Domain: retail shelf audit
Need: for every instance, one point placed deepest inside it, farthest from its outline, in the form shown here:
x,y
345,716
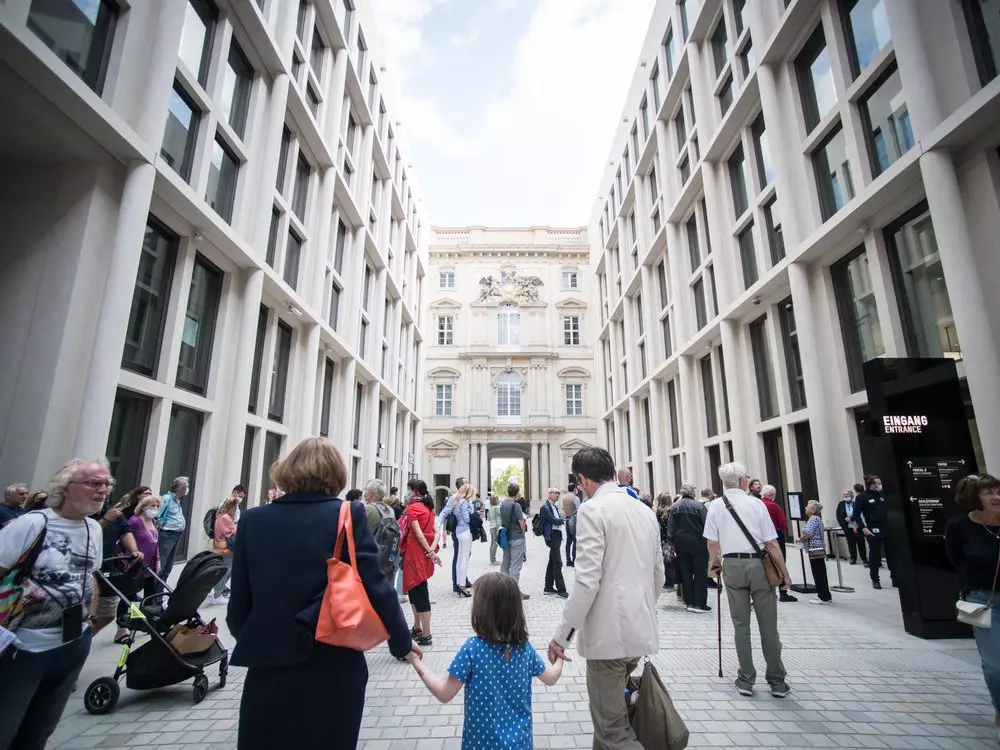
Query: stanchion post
x,y
805,587
840,587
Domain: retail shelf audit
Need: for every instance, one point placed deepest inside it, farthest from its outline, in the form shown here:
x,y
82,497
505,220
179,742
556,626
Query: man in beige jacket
x,y
619,575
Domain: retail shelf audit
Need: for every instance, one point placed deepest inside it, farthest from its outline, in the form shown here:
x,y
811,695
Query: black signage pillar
x,y
921,448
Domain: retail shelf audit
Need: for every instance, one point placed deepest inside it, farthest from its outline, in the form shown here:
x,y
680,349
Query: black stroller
x,y
155,663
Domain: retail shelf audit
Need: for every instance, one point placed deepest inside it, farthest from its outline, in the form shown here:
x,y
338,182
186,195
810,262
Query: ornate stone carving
x,y
496,372
509,287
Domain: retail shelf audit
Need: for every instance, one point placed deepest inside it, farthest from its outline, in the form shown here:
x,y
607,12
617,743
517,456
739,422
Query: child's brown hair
x,y
497,611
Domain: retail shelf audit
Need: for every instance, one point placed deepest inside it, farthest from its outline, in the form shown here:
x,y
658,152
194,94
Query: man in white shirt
x,y
732,554
619,575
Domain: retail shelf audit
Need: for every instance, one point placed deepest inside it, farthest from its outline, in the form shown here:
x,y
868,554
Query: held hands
x,y
557,652
112,514
415,655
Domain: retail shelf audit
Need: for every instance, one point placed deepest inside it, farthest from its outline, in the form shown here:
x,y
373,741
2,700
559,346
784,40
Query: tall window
x,y
324,415
571,330
359,395
180,133
708,393
508,325
200,18
887,121
720,47
793,357
236,84
286,147
661,281
279,372
670,53
775,237
767,399
694,251
144,334
442,400
301,194
80,34
258,359
868,31
446,330
446,280
983,21
748,256
574,399
338,256
293,256
222,175
675,432
509,395
815,79
644,117
738,181
127,437
199,326
700,311
833,174
335,292
765,172
859,321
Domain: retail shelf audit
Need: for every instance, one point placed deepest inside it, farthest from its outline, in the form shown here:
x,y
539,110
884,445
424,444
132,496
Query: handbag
x,y
653,716
817,553
770,567
975,614
12,584
502,538
346,616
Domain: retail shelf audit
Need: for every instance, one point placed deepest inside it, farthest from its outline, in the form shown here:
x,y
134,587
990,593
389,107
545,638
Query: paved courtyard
x,y
858,681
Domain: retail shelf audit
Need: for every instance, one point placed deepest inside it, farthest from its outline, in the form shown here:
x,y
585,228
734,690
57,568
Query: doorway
x,y
774,464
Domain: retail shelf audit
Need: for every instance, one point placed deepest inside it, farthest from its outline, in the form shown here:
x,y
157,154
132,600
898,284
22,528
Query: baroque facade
x,y
509,370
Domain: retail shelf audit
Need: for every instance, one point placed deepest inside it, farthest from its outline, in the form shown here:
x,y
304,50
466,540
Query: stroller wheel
x,y
200,688
101,696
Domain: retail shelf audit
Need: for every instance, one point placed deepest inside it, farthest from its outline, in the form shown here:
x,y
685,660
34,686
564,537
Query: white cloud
x,y
463,40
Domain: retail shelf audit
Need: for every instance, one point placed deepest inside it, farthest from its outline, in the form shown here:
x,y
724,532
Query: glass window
x,y
272,452
661,278
363,339
644,117
574,399
694,251
983,20
833,174
685,170
720,46
347,19
738,181
571,330
509,395
367,287
508,320
196,38
725,389
301,191
711,285
859,321
765,172
700,312
708,393
300,21
570,279
286,147
775,237
79,33
793,357
180,133
312,99
740,15
362,52
335,291
748,257
654,85
670,53
668,348
446,330
236,84
680,130
293,256
442,400
127,437
324,414
199,326
638,314
150,297
338,256
181,459
868,30
352,130
887,121
279,372
272,236
675,432
815,79
258,359
635,142
726,95
747,60
689,13
767,400
222,176
317,53
920,287
689,105
703,210
446,280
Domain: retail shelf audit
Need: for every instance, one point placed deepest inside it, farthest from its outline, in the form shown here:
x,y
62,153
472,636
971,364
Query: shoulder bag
x,y
346,616
12,584
978,615
654,718
770,567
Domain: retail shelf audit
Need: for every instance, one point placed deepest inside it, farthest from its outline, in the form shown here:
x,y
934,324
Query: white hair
x,y
66,473
180,482
12,488
624,472
731,474
768,490
688,488
816,505
567,497
555,490
376,487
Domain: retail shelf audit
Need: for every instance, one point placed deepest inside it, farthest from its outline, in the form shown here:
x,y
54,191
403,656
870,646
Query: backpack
x,y
571,525
208,522
387,539
536,524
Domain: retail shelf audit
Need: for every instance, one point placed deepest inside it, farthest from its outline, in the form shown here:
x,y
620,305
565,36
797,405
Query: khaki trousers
x,y
606,680
746,581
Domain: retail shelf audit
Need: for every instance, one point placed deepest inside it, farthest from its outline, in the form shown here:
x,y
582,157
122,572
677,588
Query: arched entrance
x,y
500,454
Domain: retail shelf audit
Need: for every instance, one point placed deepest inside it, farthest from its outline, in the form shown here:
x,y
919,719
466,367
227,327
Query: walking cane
x,y
718,614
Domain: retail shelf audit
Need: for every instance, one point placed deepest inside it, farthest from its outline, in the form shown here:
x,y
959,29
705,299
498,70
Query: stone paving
x,y
858,682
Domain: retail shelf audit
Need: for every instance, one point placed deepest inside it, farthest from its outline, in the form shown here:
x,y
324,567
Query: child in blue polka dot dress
x,y
496,668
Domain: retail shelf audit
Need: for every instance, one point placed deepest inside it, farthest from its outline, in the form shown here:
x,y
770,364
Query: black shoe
x,y
570,565
854,562
562,594
549,592
786,597
525,596
876,585
895,585
463,593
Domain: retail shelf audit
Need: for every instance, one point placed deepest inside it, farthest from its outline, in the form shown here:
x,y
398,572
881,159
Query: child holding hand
x,y
496,667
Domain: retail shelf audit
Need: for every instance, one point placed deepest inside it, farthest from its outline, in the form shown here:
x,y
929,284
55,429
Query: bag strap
x,y
993,591
743,528
344,525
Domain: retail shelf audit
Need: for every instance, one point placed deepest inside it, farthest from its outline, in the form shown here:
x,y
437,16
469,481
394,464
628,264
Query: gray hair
x,y
624,472
376,487
567,497
66,473
731,474
687,488
768,490
12,488
180,482
555,490
816,505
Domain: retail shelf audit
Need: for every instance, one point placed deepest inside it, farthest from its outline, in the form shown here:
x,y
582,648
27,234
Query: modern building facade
x,y
796,187
510,361
212,246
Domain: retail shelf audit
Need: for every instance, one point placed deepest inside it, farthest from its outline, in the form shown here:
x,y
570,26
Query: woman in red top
x,y
419,559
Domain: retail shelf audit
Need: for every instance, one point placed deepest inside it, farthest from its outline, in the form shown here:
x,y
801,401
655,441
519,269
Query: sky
x,y
509,107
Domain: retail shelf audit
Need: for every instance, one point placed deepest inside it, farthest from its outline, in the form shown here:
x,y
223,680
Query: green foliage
x,y
510,473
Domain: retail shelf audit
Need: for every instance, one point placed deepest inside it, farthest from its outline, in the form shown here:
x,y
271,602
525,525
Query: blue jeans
x,y
167,545
221,585
988,643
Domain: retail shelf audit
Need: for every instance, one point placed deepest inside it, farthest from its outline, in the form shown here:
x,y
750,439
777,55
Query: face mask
x,y
150,512
878,487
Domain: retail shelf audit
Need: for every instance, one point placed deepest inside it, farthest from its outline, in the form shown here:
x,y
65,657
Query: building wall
x,y
921,187
111,351
470,362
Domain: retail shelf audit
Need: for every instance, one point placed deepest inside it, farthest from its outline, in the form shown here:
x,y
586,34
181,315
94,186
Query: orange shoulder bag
x,y
346,616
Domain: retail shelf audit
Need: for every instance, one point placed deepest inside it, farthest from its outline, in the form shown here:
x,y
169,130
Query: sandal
x,y
415,631
122,638
424,640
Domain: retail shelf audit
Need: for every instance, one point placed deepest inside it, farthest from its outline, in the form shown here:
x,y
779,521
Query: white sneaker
x,y
817,601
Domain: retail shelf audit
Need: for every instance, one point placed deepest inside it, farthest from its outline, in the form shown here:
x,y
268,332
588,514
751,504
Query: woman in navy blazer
x,y
300,693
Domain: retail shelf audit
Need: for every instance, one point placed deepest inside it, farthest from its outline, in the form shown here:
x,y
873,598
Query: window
x,y
628,165
348,17
657,223
272,236
887,121
739,16
236,84
363,339
312,99
442,400
301,193
300,21
508,320
859,321
196,38
335,292
685,169
694,251
833,174
279,372
708,393
509,395
79,34
668,348
571,330
711,284
180,132
720,46
661,279
775,238
983,21
293,255
725,389
766,398
654,85
793,357
286,147
689,105
680,130
366,290
570,280
150,297
574,399
868,31
747,60
638,314
296,66
199,326
635,143
738,182
446,280
359,395
362,51
222,175
815,79
689,12
181,457
644,116
324,412
675,432
338,257
748,257
700,312
258,359
670,54
352,130
763,152
703,210
647,428
920,287
317,53
127,438
446,330
726,95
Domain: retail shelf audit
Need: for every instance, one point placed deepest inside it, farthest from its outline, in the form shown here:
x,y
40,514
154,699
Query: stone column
x,y
536,474
736,387
309,363
692,468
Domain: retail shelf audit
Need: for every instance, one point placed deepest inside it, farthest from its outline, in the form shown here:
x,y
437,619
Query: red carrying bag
x,y
346,616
